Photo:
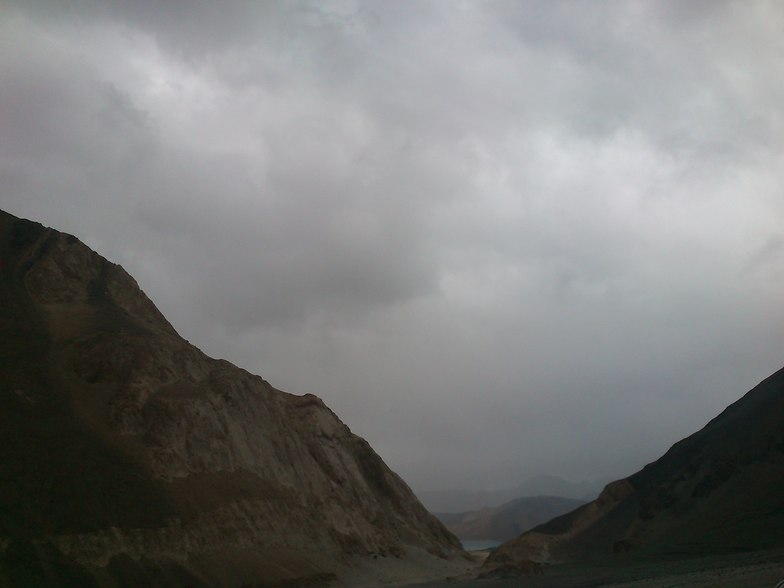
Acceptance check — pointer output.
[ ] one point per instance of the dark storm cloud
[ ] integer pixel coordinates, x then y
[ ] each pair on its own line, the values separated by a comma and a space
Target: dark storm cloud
500, 239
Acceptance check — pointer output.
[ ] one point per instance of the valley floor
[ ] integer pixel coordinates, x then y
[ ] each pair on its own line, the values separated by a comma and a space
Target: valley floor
755, 570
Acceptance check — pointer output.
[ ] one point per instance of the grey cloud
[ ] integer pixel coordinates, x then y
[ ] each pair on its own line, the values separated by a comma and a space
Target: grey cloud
500, 239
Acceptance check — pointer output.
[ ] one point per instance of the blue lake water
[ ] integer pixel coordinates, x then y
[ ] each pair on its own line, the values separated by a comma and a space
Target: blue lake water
478, 544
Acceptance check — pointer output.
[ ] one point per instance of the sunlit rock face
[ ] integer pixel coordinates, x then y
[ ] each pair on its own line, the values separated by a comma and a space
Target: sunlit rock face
126, 453
717, 491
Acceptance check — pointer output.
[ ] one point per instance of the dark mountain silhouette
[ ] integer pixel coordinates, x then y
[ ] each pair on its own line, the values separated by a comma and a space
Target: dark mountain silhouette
507, 521
717, 491
456, 500
129, 458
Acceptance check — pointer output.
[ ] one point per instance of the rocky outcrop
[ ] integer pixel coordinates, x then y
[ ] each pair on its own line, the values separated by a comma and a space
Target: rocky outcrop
717, 491
127, 456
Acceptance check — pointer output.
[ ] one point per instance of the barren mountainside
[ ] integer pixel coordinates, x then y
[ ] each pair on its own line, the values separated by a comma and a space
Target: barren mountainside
128, 457
717, 491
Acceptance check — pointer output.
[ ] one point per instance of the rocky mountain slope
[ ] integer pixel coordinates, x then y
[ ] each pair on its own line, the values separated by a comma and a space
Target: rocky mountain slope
507, 521
717, 491
129, 458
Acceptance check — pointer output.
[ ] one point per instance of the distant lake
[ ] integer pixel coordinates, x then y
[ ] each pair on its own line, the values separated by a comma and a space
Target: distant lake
469, 545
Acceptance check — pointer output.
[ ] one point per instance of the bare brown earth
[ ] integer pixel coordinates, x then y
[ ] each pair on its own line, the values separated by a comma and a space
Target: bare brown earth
130, 458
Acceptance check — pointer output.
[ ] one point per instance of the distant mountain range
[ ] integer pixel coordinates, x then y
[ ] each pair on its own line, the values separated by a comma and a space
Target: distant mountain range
507, 521
721, 490
459, 501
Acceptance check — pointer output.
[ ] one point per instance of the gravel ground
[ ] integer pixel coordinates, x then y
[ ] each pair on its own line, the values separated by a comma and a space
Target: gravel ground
757, 570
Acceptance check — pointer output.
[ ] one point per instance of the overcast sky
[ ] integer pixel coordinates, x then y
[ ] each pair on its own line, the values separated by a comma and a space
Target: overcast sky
499, 238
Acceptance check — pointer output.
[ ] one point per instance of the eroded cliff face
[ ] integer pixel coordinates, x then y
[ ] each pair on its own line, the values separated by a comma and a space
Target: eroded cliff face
128, 453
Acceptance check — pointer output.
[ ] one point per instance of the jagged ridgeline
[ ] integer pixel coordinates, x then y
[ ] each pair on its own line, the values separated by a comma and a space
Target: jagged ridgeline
129, 458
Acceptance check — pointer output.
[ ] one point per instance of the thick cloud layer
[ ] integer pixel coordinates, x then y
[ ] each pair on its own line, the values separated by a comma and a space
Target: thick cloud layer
500, 239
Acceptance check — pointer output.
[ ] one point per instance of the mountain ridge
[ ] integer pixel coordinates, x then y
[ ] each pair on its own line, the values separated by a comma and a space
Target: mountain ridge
126, 452
716, 491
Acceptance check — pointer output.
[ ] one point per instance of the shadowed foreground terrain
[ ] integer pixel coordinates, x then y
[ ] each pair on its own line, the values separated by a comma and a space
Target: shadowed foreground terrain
129, 458
752, 570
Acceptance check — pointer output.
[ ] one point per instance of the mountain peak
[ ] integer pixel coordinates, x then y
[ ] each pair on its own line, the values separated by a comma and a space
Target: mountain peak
127, 452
